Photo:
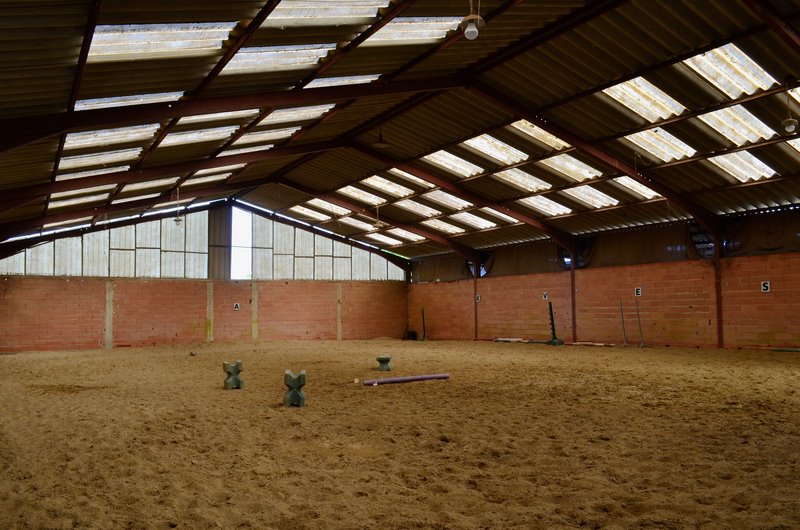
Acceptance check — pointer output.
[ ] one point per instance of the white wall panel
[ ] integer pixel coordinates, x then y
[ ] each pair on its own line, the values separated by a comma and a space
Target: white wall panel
377, 267
303, 243
284, 267
173, 236
148, 235
284, 239
69, 256
323, 268
342, 268
123, 263
303, 267
341, 250
196, 265
123, 237
172, 264
262, 263
396, 273
262, 232
197, 232
95, 254
148, 262
39, 260
360, 264
323, 246
13, 264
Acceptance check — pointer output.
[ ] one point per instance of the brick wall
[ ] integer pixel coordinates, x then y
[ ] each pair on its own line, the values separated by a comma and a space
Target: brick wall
231, 324
297, 310
374, 309
449, 309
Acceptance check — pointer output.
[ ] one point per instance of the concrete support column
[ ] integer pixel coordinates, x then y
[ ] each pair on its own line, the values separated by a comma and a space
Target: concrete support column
108, 331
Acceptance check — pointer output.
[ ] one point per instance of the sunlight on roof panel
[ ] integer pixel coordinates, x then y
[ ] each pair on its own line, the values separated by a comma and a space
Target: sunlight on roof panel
243, 150
413, 30
794, 144
82, 191
149, 184
742, 166
545, 205
76, 222
384, 239
537, 133
98, 159
446, 199
328, 207
361, 195
496, 150
387, 186
737, 124
409, 177
342, 81
136, 198
121, 101
120, 135
522, 179
54, 205
500, 215
355, 223
277, 58
417, 208
795, 93
442, 226
308, 213
203, 135
148, 41
91, 173
473, 220
571, 167
590, 196
453, 164
645, 99
326, 12
221, 169
204, 180
731, 70
661, 144
405, 234
259, 137
636, 187
296, 114
220, 116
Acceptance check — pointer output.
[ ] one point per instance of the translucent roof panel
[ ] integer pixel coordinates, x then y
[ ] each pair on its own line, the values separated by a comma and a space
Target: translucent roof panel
737, 124
537, 133
453, 164
361, 195
342, 81
99, 159
387, 186
522, 179
146, 41
405, 234
636, 187
742, 166
136, 198
731, 71
446, 199
795, 93
261, 137
160, 183
75, 222
90, 173
413, 30
442, 226
295, 114
571, 167
500, 215
417, 208
384, 239
277, 58
307, 213
221, 169
326, 12
409, 177
496, 150
328, 207
204, 180
220, 116
121, 101
472, 220
545, 205
661, 144
202, 135
590, 196
85, 199
249, 149
794, 144
355, 223
121, 135
82, 191
645, 99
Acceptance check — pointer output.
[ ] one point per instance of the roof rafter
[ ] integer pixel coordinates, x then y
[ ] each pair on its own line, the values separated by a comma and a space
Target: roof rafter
766, 12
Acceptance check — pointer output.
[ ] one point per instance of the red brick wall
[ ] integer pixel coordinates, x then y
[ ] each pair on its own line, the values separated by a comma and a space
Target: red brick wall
449, 309
231, 324
374, 309
51, 313
297, 310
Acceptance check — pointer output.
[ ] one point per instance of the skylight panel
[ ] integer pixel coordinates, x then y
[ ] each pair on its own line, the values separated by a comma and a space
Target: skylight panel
571, 167
537, 133
636, 187
220, 116
405, 234
83, 191
249, 149
296, 114
545, 205
409, 177
522, 179
496, 150
221, 169
592, 197
794, 144
150, 184
413, 30
144, 41
500, 215
277, 58
387, 186
342, 81
54, 205
446, 199
742, 166
204, 180
795, 93
661, 144
308, 213
361, 195
121, 101
473, 220
120, 135
645, 99
90, 173
203, 135
385, 239
265, 136
737, 124
325, 10
63, 223
417, 208
453, 164
442, 226
136, 198
99, 159
355, 223
731, 70
328, 207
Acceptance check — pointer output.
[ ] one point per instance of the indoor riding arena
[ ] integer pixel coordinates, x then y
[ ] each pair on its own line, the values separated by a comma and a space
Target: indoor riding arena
400, 264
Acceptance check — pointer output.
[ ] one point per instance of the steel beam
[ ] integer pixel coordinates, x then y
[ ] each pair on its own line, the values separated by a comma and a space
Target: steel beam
777, 23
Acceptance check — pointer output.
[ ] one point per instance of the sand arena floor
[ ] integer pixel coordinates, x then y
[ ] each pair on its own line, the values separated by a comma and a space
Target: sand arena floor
520, 436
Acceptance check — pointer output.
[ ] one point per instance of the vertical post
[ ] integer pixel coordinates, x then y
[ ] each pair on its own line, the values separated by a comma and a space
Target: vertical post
254, 310
108, 332
475, 301
210, 312
572, 299
718, 290
339, 311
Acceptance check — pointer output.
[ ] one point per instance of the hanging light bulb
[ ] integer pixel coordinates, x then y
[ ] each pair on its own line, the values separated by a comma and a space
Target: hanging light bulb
471, 31
789, 124
471, 23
